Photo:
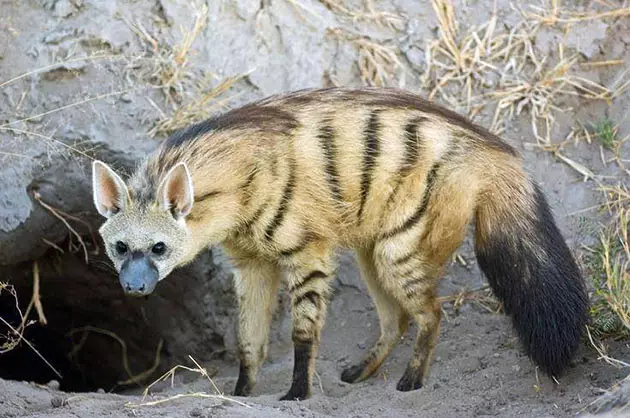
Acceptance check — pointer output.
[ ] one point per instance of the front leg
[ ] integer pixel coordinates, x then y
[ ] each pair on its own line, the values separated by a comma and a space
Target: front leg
309, 275
256, 288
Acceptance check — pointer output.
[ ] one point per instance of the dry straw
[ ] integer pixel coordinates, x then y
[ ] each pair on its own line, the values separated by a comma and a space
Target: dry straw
170, 375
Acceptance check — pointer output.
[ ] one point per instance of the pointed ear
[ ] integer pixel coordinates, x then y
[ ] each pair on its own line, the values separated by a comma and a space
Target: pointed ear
175, 192
109, 190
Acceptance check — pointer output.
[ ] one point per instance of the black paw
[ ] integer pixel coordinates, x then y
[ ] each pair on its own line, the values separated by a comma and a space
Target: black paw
296, 395
410, 380
352, 373
243, 385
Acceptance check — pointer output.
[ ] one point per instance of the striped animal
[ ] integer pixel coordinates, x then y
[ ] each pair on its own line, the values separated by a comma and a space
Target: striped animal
283, 182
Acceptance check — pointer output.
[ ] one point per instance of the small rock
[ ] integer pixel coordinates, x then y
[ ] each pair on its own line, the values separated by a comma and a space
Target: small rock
57, 401
361, 346
63, 8
436, 386
516, 368
53, 384
100, 390
59, 35
126, 98
195, 412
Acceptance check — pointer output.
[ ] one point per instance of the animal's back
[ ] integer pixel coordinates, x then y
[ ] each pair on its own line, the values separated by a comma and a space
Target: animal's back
357, 163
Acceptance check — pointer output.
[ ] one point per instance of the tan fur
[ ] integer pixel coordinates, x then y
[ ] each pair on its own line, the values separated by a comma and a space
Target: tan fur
272, 205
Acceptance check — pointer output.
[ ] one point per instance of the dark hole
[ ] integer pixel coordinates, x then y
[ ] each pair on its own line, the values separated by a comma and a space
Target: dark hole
90, 319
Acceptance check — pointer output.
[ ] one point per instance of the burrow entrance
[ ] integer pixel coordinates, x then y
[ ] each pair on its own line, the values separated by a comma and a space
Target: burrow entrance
97, 338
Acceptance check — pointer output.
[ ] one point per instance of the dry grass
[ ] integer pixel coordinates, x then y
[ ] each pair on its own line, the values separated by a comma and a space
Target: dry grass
378, 64
489, 65
190, 95
65, 217
16, 335
199, 107
368, 14
609, 265
481, 296
170, 375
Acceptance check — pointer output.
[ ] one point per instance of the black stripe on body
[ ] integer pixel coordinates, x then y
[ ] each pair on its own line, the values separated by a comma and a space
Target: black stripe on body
207, 196
246, 187
371, 152
412, 152
412, 145
299, 247
326, 136
284, 204
422, 208
248, 224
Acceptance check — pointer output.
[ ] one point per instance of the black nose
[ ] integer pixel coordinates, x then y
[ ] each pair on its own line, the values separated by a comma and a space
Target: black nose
131, 289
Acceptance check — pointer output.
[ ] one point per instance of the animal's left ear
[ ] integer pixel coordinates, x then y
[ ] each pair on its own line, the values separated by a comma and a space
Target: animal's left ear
175, 192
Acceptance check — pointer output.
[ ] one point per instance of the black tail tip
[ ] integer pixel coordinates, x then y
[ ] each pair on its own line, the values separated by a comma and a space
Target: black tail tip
531, 269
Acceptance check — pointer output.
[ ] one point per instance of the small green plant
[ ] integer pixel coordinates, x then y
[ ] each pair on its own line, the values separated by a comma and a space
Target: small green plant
607, 133
608, 267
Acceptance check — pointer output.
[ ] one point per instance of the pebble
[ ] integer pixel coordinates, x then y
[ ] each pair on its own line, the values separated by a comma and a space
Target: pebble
53, 384
195, 412
57, 401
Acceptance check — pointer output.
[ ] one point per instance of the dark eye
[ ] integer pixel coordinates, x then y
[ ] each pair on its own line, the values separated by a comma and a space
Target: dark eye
121, 248
159, 248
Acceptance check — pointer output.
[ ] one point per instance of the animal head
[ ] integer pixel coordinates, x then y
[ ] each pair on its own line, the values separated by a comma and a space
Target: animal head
144, 240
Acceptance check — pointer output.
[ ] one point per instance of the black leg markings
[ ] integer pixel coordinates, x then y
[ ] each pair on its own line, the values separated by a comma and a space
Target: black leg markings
371, 152
300, 386
404, 259
284, 204
315, 274
327, 137
408, 287
243, 384
311, 295
411, 379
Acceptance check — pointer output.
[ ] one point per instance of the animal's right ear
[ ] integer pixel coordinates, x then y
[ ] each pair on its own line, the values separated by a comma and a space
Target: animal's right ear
110, 192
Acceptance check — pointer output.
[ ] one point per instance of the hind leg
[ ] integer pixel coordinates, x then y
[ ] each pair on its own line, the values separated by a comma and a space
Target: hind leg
393, 321
411, 261
427, 318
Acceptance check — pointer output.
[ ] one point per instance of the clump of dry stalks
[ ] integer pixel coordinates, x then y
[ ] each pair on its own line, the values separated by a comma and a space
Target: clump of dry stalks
491, 65
170, 375
609, 265
488, 65
190, 95
368, 14
15, 335
378, 64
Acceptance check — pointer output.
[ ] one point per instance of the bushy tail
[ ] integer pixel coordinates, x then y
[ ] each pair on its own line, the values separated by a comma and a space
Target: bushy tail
530, 268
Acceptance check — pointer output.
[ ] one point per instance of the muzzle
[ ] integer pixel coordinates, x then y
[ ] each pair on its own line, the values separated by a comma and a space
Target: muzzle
138, 275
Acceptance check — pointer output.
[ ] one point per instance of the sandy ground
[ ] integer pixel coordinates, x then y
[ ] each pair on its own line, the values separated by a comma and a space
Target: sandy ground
479, 368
